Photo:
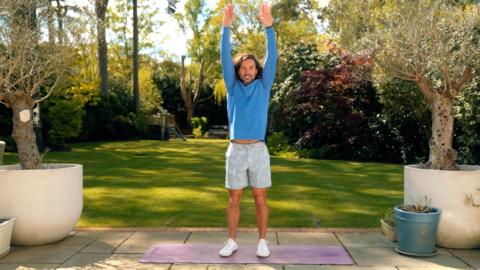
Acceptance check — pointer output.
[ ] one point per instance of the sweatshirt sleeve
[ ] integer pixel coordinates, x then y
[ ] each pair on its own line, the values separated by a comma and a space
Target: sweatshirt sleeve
228, 69
270, 65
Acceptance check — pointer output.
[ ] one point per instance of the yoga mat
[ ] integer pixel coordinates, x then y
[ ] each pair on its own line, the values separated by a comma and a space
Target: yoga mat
280, 254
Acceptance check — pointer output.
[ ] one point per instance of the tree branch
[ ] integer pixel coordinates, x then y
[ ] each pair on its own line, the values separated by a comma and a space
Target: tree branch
467, 76
425, 87
50, 91
448, 84
207, 98
198, 86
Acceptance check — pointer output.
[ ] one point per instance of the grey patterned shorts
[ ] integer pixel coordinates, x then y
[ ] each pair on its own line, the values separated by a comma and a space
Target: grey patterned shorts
247, 165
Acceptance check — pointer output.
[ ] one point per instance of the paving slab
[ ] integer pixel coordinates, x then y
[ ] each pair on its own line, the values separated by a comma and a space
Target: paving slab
110, 261
308, 238
243, 238
227, 266
337, 267
263, 267
189, 267
372, 249
374, 256
470, 256
437, 267
45, 254
81, 238
139, 242
244, 267
26, 266
106, 242
369, 239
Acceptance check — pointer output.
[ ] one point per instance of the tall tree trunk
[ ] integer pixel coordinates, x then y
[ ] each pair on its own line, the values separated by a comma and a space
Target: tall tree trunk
186, 92
51, 27
136, 94
61, 13
198, 86
191, 102
102, 47
442, 155
23, 134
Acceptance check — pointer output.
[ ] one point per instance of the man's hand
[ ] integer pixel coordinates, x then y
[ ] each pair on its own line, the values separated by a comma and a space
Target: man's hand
265, 15
228, 15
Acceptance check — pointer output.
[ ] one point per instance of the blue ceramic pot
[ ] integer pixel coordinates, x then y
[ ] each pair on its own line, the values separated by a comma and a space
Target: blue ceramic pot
417, 232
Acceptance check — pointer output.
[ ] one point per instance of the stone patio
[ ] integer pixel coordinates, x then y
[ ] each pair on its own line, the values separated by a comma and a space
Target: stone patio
116, 249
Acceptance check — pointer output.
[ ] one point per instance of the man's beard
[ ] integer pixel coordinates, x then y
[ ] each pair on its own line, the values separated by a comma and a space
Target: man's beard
247, 77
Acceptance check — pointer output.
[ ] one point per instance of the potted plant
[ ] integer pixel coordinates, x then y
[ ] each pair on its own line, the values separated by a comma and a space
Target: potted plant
46, 201
434, 44
444, 67
417, 228
388, 225
6, 228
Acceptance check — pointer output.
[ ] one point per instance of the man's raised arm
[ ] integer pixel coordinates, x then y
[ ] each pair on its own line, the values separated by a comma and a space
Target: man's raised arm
228, 68
269, 67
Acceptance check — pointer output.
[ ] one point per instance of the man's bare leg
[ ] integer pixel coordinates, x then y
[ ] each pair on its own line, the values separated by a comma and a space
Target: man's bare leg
233, 211
260, 196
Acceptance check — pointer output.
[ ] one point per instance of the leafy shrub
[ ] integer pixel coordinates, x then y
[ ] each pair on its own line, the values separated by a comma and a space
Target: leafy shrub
199, 125
407, 116
63, 120
278, 142
467, 125
112, 116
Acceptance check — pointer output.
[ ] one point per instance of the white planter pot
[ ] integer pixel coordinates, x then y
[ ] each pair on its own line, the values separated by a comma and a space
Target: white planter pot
448, 190
46, 203
388, 231
6, 229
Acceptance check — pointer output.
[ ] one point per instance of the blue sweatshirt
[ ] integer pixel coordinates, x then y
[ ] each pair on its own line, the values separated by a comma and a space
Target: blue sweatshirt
247, 105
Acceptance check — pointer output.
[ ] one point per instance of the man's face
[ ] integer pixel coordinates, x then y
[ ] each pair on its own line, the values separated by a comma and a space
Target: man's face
247, 71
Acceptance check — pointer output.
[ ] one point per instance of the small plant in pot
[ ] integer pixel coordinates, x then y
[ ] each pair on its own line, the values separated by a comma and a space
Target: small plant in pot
388, 225
417, 228
6, 228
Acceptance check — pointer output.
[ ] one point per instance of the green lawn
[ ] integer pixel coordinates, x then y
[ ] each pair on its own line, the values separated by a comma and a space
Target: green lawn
156, 183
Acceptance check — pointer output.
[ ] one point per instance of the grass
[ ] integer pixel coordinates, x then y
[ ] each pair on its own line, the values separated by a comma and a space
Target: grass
156, 183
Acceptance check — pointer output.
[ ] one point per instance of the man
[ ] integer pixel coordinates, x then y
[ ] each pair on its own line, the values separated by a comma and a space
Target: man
247, 159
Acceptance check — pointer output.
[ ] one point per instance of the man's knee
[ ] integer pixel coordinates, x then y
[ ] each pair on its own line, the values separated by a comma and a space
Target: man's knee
234, 200
260, 199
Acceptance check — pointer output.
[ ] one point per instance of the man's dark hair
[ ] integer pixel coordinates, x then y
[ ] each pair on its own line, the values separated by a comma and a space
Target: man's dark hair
239, 60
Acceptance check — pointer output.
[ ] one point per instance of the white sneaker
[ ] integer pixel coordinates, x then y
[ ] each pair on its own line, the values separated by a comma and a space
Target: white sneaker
262, 250
230, 247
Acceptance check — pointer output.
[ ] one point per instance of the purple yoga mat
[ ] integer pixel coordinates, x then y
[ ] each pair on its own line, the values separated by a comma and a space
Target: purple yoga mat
283, 254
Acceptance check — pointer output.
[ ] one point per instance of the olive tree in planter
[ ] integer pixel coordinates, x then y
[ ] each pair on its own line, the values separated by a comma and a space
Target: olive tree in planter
435, 44
45, 200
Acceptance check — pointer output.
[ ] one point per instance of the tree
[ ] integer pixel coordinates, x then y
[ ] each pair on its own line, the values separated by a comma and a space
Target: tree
197, 18
102, 46
51, 28
61, 14
468, 124
131, 23
120, 22
136, 96
434, 44
26, 66
296, 59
